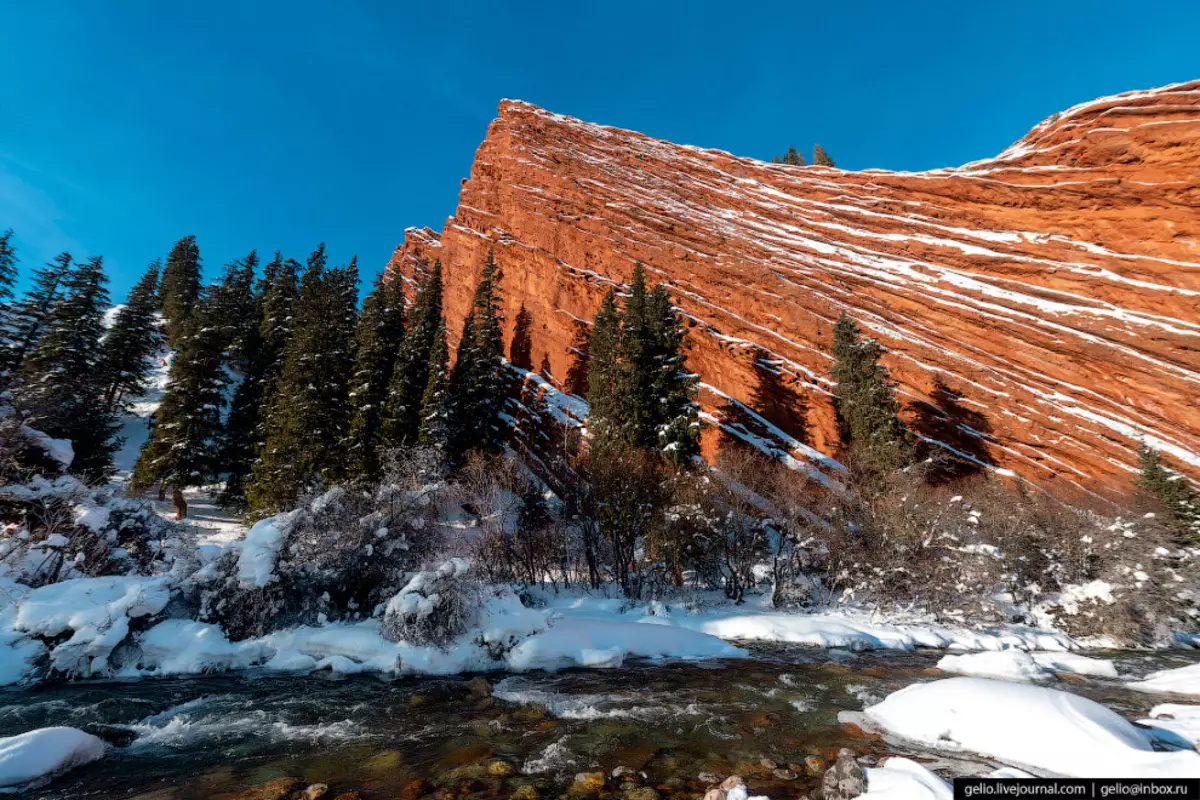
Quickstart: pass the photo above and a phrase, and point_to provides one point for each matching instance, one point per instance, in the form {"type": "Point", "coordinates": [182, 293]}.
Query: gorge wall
{"type": "Point", "coordinates": [1041, 309]}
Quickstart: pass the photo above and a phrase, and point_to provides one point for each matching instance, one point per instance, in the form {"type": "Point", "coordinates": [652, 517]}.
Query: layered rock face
{"type": "Point", "coordinates": [1041, 309]}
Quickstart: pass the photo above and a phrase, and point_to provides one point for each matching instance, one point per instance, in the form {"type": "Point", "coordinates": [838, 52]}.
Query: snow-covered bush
{"type": "Point", "coordinates": [340, 555]}
{"type": "Point", "coordinates": [61, 529]}
{"type": "Point", "coordinates": [434, 607]}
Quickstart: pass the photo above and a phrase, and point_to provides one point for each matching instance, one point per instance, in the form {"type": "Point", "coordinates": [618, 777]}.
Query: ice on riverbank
{"type": "Point", "coordinates": [1030, 727]}
{"type": "Point", "coordinates": [43, 753]}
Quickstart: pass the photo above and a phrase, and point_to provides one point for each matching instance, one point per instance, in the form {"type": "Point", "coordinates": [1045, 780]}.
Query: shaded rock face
{"type": "Point", "coordinates": [1041, 309]}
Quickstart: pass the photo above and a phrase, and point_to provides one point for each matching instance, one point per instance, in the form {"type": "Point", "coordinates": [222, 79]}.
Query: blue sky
{"type": "Point", "coordinates": [125, 125]}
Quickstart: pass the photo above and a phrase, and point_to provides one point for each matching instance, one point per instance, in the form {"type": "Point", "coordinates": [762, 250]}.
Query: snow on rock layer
{"type": "Point", "coordinates": [1027, 726]}
{"type": "Point", "coordinates": [1055, 289]}
{"type": "Point", "coordinates": [44, 752]}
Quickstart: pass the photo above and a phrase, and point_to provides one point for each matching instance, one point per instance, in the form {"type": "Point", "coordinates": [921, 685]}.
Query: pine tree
{"type": "Point", "coordinates": [61, 377]}
{"type": "Point", "coordinates": [1172, 491]}
{"type": "Point", "coordinates": [793, 157]}
{"type": "Point", "coordinates": [264, 341]}
{"type": "Point", "coordinates": [820, 157]}
{"type": "Point", "coordinates": [29, 316]}
{"type": "Point", "coordinates": [309, 412]}
{"type": "Point", "coordinates": [130, 344]}
{"type": "Point", "coordinates": [379, 337]}
{"type": "Point", "coordinates": [867, 410]}
{"type": "Point", "coordinates": [182, 450]}
{"type": "Point", "coordinates": [435, 412]}
{"type": "Point", "coordinates": [604, 368]}
{"type": "Point", "coordinates": [410, 376]}
{"type": "Point", "coordinates": [180, 286]}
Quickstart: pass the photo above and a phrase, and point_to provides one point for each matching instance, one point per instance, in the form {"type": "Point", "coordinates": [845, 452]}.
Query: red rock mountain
{"type": "Point", "coordinates": [1041, 308]}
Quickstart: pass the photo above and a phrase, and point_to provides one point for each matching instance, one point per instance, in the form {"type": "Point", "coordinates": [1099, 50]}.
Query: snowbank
{"type": "Point", "coordinates": [95, 611]}
{"type": "Point", "coordinates": [1185, 680]}
{"type": "Point", "coordinates": [1027, 726]}
{"type": "Point", "coordinates": [1017, 665]}
{"type": "Point", "coordinates": [905, 779]}
{"type": "Point", "coordinates": [260, 548]}
{"type": "Point", "coordinates": [598, 643]}
{"type": "Point", "coordinates": [508, 636]}
{"type": "Point", "coordinates": [45, 752]}
{"type": "Point", "coordinates": [1011, 665]}
{"type": "Point", "coordinates": [827, 629]}
{"type": "Point", "coordinates": [1174, 724]}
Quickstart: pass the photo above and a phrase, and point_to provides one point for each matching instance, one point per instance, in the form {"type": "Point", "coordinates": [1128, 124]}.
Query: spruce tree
{"type": "Point", "coordinates": [180, 286]}
{"type": "Point", "coordinates": [130, 344]}
{"type": "Point", "coordinates": [379, 337]}
{"type": "Point", "coordinates": [8, 277]}
{"type": "Point", "coordinates": [183, 448]}
{"type": "Point", "coordinates": [8, 273]}
{"type": "Point", "coordinates": [604, 368]}
{"type": "Point", "coordinates": [237, 307]}
{"type": "Point", "coordinates": [820, 157]}
{"type": "Point", "coordinates": [262, 353]}
{"type": "Point", "coordinates": [410, 376]}
{"type": "Point", "coordinates": [476, 395]}
{"type": "Point", "coordinates": [793, 157]}
{"type": "Point", "coordinates": [1172, 491]}
{"type": "Point", "coordinates": [309, 412]}
{"type": "Point", "coordinates": [639, 390]}
{"type": "Point", "coordinates": [435, 411]}
{"type": "Point", "coordinates": [867, 411]}
{"type": "Point", "coordinates": [29, 316]}
{"type": "Point", "coordinates": [279, 289]}
{"type": "Point", "coordinates": [676, 415]}
{"type": "Point", "coordinates": [61, 377]}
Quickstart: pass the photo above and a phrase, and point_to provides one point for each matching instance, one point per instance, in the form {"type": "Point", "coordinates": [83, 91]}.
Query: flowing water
{"type": "Point", "coordinates": [177, 739]}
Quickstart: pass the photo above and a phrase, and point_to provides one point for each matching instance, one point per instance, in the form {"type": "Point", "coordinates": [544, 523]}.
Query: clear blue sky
{"type": "Point", "coordinates": [272, 124]}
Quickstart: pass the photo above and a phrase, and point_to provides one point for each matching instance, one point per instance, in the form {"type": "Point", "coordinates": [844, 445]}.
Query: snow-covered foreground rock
{"type": "Point", "coordinates": [1030, 727]}
{"type": "Point", "coordinates": [45, 752]}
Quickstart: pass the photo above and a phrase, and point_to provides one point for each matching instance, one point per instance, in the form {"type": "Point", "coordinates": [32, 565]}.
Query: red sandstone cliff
{"type": "Point", "coordinates": [1054, 290]}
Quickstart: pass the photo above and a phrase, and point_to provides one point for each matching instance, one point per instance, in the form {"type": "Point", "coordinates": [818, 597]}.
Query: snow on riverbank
{"type": "Point", "coordinates": [844, 629]}
{"type": "Point", "coordinates": [1031, 727]}
{"type": "Point", "coordinates": [1185, 680]}
{"type": "Point", "coordinates": [508, 637]}
{"type": "Point", "coordinates": [43, 753]}
{"type": "Point", "coordinates": [1018, 665]}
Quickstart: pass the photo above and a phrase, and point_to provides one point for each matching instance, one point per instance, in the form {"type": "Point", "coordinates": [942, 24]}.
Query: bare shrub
{"type": "Point", "coordinates": [986, 550]}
